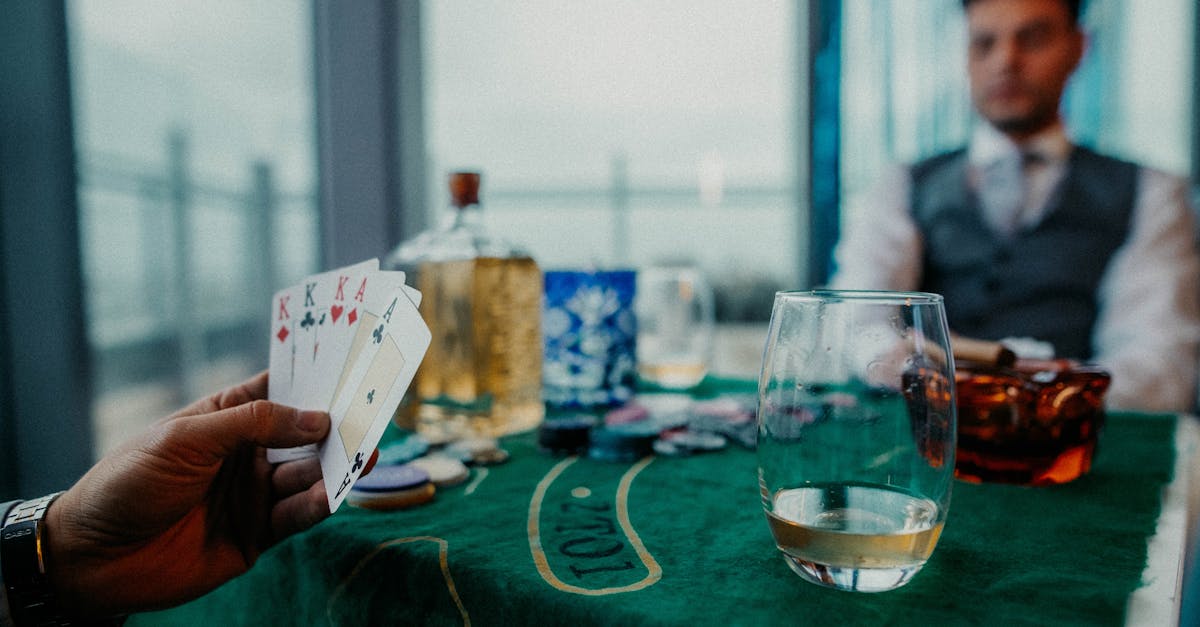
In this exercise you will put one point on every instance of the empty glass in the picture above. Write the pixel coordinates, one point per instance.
(675, 326)
(856, 434)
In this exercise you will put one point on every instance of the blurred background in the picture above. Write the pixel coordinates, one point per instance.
(164, 167)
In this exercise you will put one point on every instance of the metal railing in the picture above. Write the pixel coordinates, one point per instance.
(157, 308)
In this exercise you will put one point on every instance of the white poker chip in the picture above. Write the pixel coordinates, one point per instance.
(490, 458)
(471, 446)
(443, 471)
(697, 440)
(482, 451)
(664, 447)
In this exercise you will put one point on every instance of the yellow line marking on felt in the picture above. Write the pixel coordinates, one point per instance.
(654, 571)
(443, 553)
(481, 473)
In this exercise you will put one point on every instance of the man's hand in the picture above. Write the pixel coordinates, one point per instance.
(187, 505)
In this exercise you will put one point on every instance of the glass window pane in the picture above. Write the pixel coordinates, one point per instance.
(1132, 96)
(194, 130)
(626, 133)
(904, 88)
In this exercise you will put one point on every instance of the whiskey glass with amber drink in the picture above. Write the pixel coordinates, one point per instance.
(856, 434)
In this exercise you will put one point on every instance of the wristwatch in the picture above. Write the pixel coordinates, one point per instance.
(22, 556)
(23, 561)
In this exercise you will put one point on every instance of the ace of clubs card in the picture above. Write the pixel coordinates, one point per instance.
(395, 340)
(345, 334)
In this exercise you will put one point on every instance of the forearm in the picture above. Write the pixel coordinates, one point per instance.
(880, 247)
(1153, 380)
(1148, 331)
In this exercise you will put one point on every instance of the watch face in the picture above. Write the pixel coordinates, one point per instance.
(17, 531)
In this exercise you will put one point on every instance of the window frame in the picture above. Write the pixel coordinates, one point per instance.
(45, 417)
(371, 180)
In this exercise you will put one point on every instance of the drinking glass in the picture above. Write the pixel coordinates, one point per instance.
(675, 326)
(856, 434)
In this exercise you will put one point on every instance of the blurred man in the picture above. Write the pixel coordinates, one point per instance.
(1030, 236)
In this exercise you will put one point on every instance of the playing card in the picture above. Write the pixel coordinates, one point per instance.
(395, 339)
(343, 332)
(283, 341)
(337, 297)
(309, 312)
(322, 308)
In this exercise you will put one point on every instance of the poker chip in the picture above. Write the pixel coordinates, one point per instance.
(731, 409)
(566, 436)
(404, 450)
(491, 457)
(630, 412)
(622, 443)
(696, 440)
(389, 478)
(481, 451)
(744, 434)
(667, 422)
(732, 417)
(443, 471)
(471, 446)
(665, 447)
(437, 434)
(392, 487)
(399, 499)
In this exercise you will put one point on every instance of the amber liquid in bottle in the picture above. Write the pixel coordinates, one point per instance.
(482, 300)
(483, 370)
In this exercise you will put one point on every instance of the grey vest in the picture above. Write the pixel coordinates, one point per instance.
(1042, 282)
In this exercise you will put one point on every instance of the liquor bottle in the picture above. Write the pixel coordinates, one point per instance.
(481, 297)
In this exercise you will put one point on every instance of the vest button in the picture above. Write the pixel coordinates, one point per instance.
(991, 284)
(1003, 255)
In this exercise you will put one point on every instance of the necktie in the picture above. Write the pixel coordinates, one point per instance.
(1003, 190)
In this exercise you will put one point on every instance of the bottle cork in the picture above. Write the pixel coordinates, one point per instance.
(464, 188)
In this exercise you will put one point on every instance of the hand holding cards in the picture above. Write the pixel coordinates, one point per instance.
(346, 341)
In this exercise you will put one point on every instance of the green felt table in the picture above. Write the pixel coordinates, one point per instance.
(682, 540)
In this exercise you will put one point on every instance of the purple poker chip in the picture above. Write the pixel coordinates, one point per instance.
(630, 412)
(392, 479)
(696, 440)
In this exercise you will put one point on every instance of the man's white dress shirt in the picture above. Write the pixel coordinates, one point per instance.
(1147, 331)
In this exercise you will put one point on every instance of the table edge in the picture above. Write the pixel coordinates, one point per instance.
(1157, 602)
